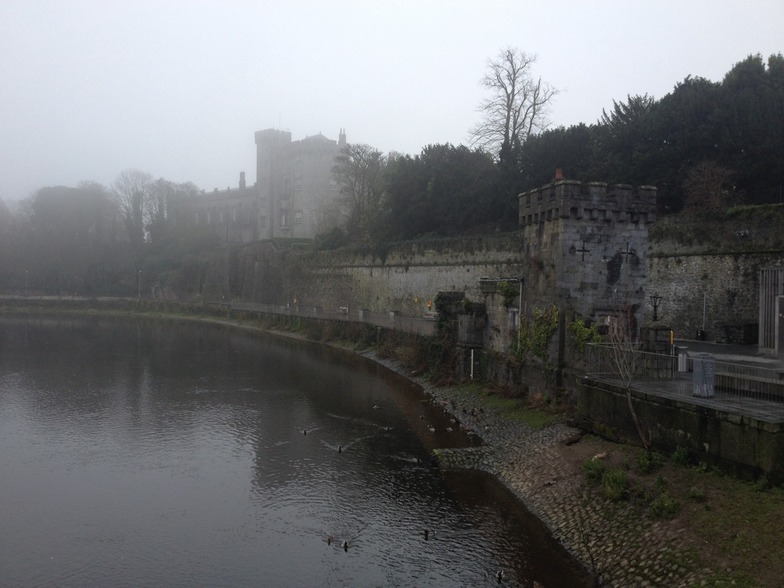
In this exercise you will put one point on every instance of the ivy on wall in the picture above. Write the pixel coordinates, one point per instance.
(535, 335)
(508, 291)
(582, 334)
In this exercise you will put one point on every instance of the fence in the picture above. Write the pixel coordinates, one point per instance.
(698, 375)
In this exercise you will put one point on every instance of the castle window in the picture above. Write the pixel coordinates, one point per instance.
(298, 214)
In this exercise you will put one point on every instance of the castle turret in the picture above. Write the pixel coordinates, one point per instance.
(587, 242)
(342, 138)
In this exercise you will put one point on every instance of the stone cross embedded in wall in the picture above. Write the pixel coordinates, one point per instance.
(582, 251)
(628, 253)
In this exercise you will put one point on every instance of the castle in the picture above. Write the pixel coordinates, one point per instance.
(295, 194)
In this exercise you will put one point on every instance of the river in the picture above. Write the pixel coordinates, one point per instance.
(139, 452)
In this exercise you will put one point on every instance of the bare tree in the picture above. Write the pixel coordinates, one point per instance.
(358, 171)
(708, 186)
(156, 211)
(517, 106)
(626, 350)
(131, 191)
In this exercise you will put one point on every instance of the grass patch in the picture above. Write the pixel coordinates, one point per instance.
(517, 409)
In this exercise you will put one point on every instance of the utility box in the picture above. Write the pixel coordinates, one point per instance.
(683, 359)
(704, 365)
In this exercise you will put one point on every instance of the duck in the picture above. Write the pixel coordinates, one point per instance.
(330, 539)
(345, 546)
(499, 575)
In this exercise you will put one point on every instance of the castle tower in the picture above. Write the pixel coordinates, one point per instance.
(586, 245)
(342, 138)
(271, 151)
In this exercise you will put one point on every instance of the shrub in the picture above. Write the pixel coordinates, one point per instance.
(680, 456)
(594, 469)
(584, 334)
(664, 506)
(647, 461)
(615, 483)
(697, 494)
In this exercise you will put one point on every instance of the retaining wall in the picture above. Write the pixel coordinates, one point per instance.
(747, 445)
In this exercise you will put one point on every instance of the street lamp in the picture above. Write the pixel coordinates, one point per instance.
(25, 283)
(140, 286)
(520, 305)
(520, 311)
(655, 300)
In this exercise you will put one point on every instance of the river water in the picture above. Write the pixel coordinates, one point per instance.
(162, 453)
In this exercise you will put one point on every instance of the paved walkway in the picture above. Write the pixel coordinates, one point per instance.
(742, 358)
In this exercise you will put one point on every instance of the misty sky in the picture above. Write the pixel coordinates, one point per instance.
(178, 87)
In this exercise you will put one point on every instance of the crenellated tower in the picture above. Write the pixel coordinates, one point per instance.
(586, 245)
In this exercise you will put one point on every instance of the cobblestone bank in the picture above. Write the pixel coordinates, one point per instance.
(621, 547)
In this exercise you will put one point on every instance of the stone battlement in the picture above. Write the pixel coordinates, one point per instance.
(595, 201)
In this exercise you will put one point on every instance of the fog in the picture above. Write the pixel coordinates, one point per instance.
(178, 88)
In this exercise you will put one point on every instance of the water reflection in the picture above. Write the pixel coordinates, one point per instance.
(170, 453)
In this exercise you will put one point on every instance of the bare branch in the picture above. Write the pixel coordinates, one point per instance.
(131, 190)
(517, 105)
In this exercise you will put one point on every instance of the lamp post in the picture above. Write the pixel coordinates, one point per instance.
(655, 300)
(25, 283)
(520, 310)
(139, 299)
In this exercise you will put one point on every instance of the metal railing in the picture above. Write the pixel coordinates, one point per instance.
(698, 375)
(424, 326)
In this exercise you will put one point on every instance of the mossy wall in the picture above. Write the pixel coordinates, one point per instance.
(746, 445)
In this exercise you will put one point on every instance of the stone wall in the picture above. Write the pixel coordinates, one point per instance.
(707, 271)
(717, 294)
(748, 445)
(692, 267)
(406, 278)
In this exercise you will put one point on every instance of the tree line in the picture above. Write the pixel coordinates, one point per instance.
(91, 240)
(704, 145)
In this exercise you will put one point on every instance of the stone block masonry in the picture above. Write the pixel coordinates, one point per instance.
(582, 246)
(587, 245)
